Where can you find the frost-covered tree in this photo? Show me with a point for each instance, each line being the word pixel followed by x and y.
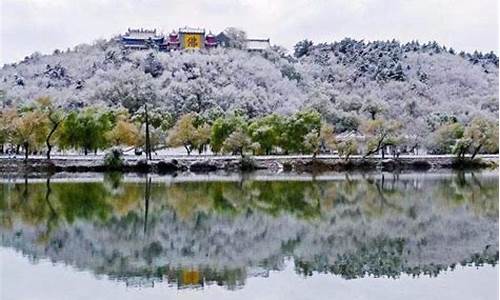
pixel 480 135
pixel 444 139
pixel 236 37
pixel 373 108
pixel 7 117
pixel 124 132
pixel 86 130
pixel 315 142
pixel 297 127
pixel 190 132
pixel 302 48
pixel 54 118
pixel 222 128
pixel 380 134
pixel 347 147
pixel 238 142
pixel 312 143
pixel 265 132
pixel 29 130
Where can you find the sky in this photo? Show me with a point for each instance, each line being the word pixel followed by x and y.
pixel 27 26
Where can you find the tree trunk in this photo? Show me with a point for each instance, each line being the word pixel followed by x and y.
pixel 26 152
pixel 187 149
pixel 49 136
pixel 380 144
pixel 461 154
pixel 86 151
pixel 347 156
pixel 49 148
pixel 476 151
pixel 148 142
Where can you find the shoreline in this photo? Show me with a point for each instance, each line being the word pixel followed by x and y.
pixel 222 176
pixel 275 164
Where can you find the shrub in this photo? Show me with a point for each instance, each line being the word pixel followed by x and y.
pixel 248 164
pixel 114 158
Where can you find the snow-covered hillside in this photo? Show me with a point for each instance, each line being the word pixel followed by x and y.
pixel 346 81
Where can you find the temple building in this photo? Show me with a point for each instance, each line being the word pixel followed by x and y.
pixel 173 42
pixel 210 41
pixel 184 38
pixel 141 39
pixel 257 44
pixel 223 40
pixel 192 38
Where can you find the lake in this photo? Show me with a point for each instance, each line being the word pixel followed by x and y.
pixel 252 236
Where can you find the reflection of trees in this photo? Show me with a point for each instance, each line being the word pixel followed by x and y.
pixel 147 196
pixel 372 198
pixel 215 232
pixel 380 257
pixel 53 217
pixel 296 198
pixel 386 257
pixel 383 197
pixel 85 201
pixel 471 192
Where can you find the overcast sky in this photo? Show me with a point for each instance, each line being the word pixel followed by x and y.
pixel 44 25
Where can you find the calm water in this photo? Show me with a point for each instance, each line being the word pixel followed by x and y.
pixel 372 236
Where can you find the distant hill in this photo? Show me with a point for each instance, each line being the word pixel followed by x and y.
pixel 419 84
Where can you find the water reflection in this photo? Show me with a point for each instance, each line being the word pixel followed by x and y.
pixel 190 234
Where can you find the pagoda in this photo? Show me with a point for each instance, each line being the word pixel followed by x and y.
pixel 210 41
pixel 173 42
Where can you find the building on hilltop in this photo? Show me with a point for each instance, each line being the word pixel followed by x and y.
pixel 250 44
pixel 210 41
pixel 173 42
pixel 185 38
pixel 192 38
pixel 141 39
pixel 223 40
pixel 257 44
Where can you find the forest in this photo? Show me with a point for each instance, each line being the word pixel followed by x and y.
pixel 350 97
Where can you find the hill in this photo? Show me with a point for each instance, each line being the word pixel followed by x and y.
pixel 422 85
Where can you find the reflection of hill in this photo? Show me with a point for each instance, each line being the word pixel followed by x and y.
pixel 201 232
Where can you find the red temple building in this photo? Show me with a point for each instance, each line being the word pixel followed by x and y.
pixel 210 41
pixel 173 41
